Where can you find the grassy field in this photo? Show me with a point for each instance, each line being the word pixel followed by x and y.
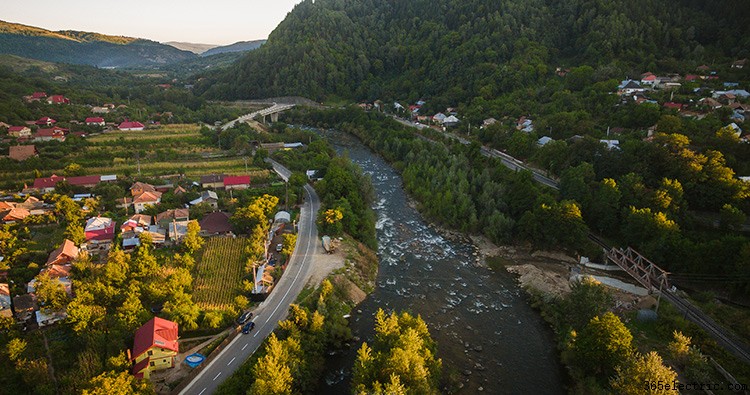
pixel 163 132
pixel 219 272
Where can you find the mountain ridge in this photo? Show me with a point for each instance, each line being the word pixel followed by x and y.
pixel 94 49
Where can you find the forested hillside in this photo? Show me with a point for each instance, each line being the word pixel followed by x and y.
pixel 453 51
pixel 85 48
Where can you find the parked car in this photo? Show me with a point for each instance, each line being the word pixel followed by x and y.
pixel 244 317
pixel 279 247
pixel 248 327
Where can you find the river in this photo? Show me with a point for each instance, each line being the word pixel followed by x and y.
pixel 487 334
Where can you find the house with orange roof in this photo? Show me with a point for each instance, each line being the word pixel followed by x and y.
pixel 14 215
pixel 65 254
pixel 154 347
pixel 139 187
pixel 146 199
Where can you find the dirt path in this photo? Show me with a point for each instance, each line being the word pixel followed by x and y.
pixel 50 368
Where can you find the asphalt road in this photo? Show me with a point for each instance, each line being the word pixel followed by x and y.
pixel 272 310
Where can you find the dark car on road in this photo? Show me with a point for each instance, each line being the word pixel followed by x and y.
pixel 245 317
pixel 248 327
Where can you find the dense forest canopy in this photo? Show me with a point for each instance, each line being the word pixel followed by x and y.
pixel 454 51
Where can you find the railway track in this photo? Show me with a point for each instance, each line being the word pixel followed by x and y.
pixel 722 336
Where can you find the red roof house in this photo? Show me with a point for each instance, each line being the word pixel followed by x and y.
pixel 58 99
pixel 47 184
pixel 63 255
pixel 154 347
pixel 84 181
pixel 39 95
pixel 236 182
pixel 47 121
pixel 22 152
pixel 99 229
pixel 673 105
pixel 95 121
pixel 131 126
pixel 52 134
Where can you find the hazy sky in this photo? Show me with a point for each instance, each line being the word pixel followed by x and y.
pixel 203 22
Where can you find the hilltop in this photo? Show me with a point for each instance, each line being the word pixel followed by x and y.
pixel 365 49
pixel 86 48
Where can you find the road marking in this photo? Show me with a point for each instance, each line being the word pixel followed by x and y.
pixel 245 346
pixel 185 390
pixel 217 376
pixel 230 362
pixel 201 393
pixel 256 333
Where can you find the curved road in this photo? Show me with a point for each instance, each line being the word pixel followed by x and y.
pixel 272 310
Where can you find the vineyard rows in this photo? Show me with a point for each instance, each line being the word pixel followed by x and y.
pixel 219 273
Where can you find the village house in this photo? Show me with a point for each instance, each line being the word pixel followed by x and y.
pixel 155 347
pixel 45 121
pixel 214 181
pixel 19 132
pixel 544 140
pixel 236 182
pixel 451 121
pixel 24 307
pixel 129 126
pixel 208 197
pixel 100 110
pixel 141 187
pixel 629 87
pixel 99 230
pixel 739 64
pixel 58 99
pixel 142 201
pixel 215 224
pixel 47 184
pixel 611 144
pixel 52 134
pixel 84 181
pixel 5 301
pixel 60 273
pixel 525 125
pixel 14 215
pixel 648 79
pixel 488 122
pixel 137 221
pixel 22 152
pixel 439 118
pixel 176 230
pixel 36 96
pixel 63 255
pixel 167 217
pixel 95 121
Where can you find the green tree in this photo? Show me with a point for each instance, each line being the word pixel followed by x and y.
pixel 73 169
pixel 67 209
pixel 731 217
pixel 131 313
pixel 631 377
pixel 288 244
pixel 272 373
pixel 192 240
pixel 114 383
pixel 181 309
pixel 50 292
pixel 602 345
pixel 75 233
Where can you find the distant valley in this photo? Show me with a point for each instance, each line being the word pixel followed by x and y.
pixel 105 51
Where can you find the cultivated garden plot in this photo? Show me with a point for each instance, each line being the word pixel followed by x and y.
pixel 219 272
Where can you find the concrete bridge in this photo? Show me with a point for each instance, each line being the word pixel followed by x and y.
pixel 272 111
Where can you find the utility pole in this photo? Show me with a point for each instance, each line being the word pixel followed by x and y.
pixel 245 158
